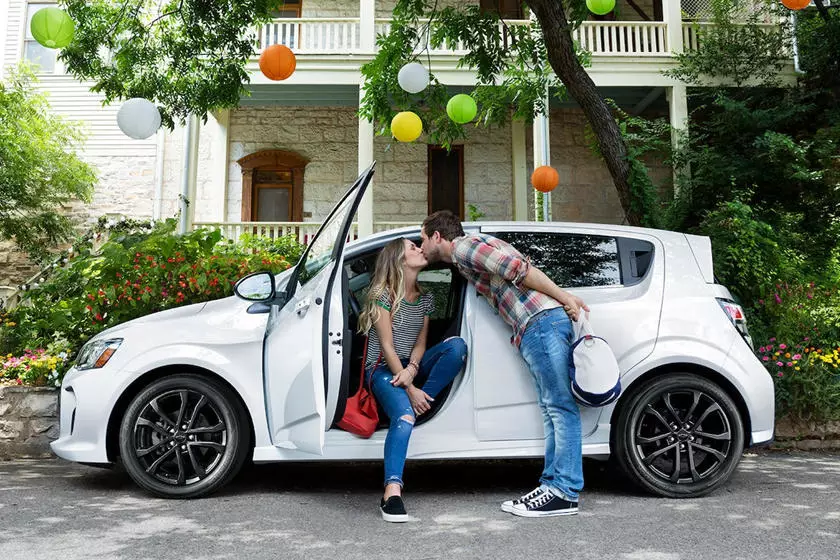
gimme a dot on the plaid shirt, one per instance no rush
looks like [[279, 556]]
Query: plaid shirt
[[498, 270]]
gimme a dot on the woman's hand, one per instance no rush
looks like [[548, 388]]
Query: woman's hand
[[420, 401], [404, 377]]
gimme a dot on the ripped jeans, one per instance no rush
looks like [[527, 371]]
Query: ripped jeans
[[439, 366]]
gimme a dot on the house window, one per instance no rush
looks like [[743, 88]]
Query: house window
[[446, 179], [33, 51], [506, 9], [272, 186]]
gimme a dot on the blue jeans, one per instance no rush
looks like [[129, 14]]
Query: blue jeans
[[545, 348], [439, 366]]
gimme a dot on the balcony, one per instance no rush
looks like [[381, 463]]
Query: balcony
[[342, 36]]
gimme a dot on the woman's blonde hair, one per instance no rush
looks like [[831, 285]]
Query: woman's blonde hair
[[387, 279]]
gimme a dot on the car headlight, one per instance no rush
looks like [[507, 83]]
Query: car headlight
[[95, 354]]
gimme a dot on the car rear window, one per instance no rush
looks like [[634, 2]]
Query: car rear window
[[576, 260]]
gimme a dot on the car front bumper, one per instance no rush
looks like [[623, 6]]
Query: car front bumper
[[85, 406]]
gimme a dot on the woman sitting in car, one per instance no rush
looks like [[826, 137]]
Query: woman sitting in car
[[402, 374]]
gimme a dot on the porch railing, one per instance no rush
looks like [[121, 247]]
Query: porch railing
[[342, 36], [303, 231]]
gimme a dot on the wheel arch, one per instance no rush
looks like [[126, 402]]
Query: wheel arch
[[113, 430], [685, 367]]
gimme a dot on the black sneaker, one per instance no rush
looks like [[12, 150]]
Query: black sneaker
[[507, 505], [545, 504], [393, 510]]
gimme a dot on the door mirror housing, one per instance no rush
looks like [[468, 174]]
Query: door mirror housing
[[258, 286]]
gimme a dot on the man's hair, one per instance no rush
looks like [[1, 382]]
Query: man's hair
[[444, 222]]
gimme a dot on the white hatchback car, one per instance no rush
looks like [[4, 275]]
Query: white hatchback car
[[185, 396]]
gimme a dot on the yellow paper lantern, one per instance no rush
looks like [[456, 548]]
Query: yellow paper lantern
[[406, 126]]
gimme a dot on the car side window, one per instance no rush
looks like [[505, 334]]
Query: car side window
[[439, 284], [570, 260]]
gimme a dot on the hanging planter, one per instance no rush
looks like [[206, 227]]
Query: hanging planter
[[545, 178], [461, 108], [406, 126], [600, 7], [277, 62], [413, 77], [52, 28], [138, 118]]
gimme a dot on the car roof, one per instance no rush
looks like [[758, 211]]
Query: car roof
[[473, 227]]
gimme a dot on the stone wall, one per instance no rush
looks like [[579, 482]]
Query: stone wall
[[28, 421]]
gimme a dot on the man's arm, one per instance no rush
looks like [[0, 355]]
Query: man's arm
[[536, 279]]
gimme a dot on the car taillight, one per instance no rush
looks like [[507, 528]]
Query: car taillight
[[736, 314]]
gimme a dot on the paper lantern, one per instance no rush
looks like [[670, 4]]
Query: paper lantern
[[413, 77], [406, 126], [461, 108], [277, 62], [138, 118], [545, 178], [796, 4], [52, 27], [600, 7]]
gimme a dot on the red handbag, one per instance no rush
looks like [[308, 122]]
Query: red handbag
[[360, 414]]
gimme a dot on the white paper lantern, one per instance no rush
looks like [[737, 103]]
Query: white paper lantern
[[413, 77], [138, 118]]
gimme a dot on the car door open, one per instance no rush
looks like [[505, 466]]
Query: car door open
[[303, 340]]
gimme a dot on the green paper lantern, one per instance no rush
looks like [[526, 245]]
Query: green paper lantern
[[461, 108], [600, 7], [52, 27]]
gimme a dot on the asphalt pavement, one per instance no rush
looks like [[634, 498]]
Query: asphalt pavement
[[784, 506]]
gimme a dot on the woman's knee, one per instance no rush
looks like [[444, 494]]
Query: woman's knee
[[457, 345], [406, 420]]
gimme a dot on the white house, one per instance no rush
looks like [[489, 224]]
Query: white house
[[286, 153]]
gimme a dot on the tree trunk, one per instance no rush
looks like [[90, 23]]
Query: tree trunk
[[556, 31]]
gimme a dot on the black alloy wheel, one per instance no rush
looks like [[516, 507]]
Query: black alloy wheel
[[679, 436], [184, 436]]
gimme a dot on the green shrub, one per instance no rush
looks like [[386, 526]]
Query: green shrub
[[140, 269]]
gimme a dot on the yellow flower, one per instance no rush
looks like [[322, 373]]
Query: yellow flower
[[787, 354], [796, 368], [776, 354]]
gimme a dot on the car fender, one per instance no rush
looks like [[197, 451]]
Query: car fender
[[240, 367]]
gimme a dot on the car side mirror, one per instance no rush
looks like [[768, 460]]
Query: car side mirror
[[258, 286]]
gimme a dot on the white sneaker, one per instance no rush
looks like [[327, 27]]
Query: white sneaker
[[507, 505], [546, 504]]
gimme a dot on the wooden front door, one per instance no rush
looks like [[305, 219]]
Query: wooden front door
[[446, 179], [272, 186]]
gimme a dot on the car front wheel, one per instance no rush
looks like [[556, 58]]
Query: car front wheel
[[183, 436], [680, 436]]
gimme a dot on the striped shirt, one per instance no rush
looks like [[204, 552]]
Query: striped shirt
[[406, 325], [497, 269]]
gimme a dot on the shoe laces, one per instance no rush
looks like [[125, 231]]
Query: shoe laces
[[531, 495], [540, 499]]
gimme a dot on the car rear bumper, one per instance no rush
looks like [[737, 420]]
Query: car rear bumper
[[757, 390]]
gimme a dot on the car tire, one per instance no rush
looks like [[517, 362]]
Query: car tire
[[184, 436], [680, 436]]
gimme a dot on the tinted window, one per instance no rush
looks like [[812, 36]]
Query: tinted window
[[570, 260]]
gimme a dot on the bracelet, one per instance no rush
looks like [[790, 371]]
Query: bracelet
[[416, 367]]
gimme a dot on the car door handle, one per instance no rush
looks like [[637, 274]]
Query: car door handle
[[336, 342]]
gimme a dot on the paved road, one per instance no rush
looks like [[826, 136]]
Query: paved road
[[775, 506]]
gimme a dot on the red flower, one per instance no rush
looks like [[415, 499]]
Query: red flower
[[98, 317], [119, 275]]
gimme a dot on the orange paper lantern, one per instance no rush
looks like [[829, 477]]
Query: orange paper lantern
[[545, 178], [277, 62], [796, 4]]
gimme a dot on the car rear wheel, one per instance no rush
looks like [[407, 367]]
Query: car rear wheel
[[183, 436], [680, 436]]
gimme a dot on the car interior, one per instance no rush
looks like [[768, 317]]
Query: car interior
[[440, 279]]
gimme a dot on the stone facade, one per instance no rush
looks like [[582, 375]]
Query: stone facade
[[28, 421]]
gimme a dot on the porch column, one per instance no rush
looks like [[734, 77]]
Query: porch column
[[672, 16], [367, 25], [519, 163], [365, 212], [542, 156], [186, 200], [678, 111], [218, 126]]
